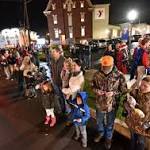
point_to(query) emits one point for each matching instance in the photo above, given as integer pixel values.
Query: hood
(84, 96)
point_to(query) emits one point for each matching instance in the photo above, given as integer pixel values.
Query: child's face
(66, 66)
(145, 87)
(45, 87)
(79, 100)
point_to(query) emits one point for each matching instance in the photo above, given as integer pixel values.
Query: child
(48, 102)
(80, 114)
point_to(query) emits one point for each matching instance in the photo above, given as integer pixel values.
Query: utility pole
(26, 19)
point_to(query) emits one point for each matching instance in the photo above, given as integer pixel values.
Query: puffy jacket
(80, 111)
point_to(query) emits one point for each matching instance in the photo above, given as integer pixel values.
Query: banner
(125, 31)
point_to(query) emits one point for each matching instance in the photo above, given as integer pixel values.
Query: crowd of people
(64, 93)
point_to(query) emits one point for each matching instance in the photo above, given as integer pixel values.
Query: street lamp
(131, 16)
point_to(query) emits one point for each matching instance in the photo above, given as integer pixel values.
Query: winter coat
(122, 61)
(11, 60)
(113, 82)
(28, 68)
(80, 111)
(143, 101)
(48, 100)
(137, 61)
(4, 61)
(56, 68)
(65, 76)
(75, 85)
(146, 59)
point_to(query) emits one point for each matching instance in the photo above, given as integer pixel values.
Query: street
(21, 126)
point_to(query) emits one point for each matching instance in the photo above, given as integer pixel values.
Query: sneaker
(76, 138)
(98, 138)
(108, 144)
(53, 121)
(84, 145)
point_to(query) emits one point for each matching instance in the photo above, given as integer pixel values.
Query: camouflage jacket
(113, 82)
(143, 102)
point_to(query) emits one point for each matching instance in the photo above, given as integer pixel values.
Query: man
(56, 66)
(140, 59)
(108, 83)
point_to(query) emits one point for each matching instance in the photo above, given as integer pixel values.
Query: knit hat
(107, 61)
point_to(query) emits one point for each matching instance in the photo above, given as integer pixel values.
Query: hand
(100, 92)
(109, 94)
(67, 97)
(78, 120)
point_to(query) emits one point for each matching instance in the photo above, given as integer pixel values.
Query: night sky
(11, 12)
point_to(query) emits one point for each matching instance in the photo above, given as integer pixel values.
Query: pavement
(21, 126)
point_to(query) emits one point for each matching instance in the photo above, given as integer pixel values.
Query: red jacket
(146, 59)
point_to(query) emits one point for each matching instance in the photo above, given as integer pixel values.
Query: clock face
(100, 13)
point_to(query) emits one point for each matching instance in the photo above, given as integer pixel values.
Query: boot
(47, 120)
(98, 138)
(53, 121)
(108, 144)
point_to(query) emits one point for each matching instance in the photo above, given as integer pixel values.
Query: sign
(100, 13)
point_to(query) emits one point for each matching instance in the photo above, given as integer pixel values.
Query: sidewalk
(21, 126)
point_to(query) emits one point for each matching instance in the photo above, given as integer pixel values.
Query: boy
(80, 114)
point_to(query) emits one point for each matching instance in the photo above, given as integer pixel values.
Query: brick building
(69, 20)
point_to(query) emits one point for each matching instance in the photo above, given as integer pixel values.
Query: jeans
(137, 141)
(105, 123)
(81, 130)
(59, 98)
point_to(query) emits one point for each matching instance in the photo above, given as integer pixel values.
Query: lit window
(56, 31)
(82, 4)
(69, 19)
(82, 30)
(71, 32)
(64, 6)
(53, 6)
(55, 19)
(82, 16)
(74, 5)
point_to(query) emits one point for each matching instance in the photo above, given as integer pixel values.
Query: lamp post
(131, 16)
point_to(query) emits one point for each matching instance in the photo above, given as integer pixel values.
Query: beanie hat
(107, 61)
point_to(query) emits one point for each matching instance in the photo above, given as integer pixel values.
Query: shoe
(84, 145)
(53, 121)
(47, 120)
(108, 144)
(76, 138)
(98, 138)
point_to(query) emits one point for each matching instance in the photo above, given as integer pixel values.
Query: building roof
(94, 2)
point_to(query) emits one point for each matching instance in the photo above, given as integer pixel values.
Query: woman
(76, 81)
(122, 58)
(109, 51)
(28, 68)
